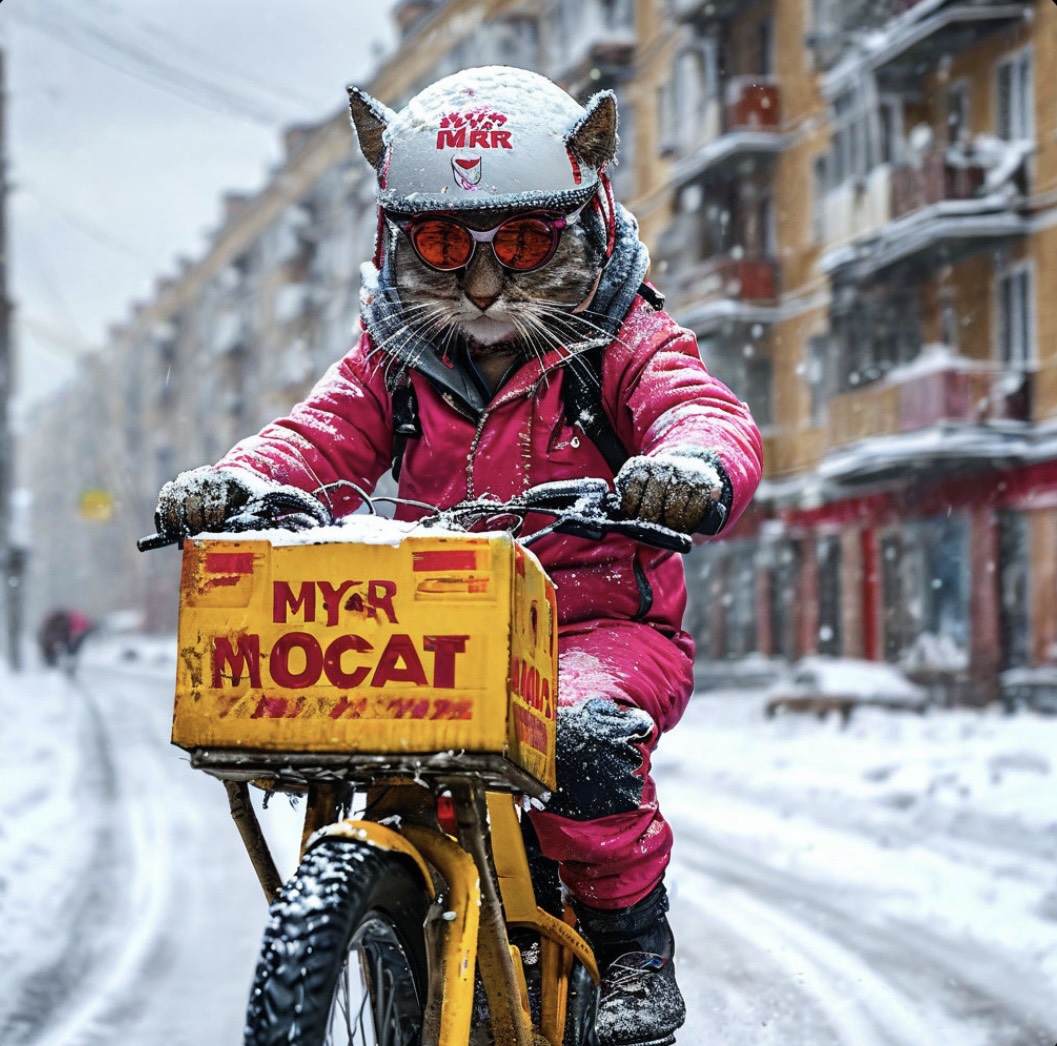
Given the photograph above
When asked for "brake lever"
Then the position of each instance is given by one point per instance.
(595, 528)
(562, 493)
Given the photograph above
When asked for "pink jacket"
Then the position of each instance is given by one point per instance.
(655, 389)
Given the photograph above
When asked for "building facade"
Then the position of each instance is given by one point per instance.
(852, 205)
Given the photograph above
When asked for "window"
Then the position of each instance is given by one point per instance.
(765, 47)
(515, 41)
(739, 600)
(925, 578)
(829, 560)
(958, 113)
(889, 129)
(851, 147)
(1014, 318)
(694, 84)
(1014, 609)
(1015, 120)
(783, 605)
(745, 367)
(820, 376)
(819, 185)
(875, 329)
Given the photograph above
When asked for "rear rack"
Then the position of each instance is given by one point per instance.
(299, 769)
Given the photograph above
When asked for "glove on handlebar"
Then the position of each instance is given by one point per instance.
(203, 499)
(688, 491)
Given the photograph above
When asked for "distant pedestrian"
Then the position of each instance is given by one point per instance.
(60, 637)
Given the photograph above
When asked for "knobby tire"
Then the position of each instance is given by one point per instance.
(349, 912)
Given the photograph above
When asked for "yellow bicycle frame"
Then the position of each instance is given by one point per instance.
(432, 658)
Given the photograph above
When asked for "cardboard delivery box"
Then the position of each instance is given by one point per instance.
(419, 644)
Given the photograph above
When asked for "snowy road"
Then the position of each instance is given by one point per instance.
(889, 884)
(157, 923)
(807, 913)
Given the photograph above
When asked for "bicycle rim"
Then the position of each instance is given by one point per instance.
(375, 1001)
(343, 958)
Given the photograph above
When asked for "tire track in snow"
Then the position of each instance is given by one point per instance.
(885, 984)
(859, 1006)
(92, 1019)
(45, 990)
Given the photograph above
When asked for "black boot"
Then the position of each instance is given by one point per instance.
(641, 1004)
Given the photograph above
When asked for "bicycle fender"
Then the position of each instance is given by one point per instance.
(380, 836)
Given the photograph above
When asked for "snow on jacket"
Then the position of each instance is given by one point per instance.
(655, 389)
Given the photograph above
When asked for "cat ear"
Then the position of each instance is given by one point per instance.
(370, 118)
(594, 138)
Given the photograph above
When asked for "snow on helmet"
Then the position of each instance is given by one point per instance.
(487, 138)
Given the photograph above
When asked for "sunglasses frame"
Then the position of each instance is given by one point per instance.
(557, 224)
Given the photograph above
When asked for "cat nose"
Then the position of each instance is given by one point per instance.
(482, 301)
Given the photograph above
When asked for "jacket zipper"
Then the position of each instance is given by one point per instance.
(470, 495)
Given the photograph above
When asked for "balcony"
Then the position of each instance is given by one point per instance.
(934, 413)
(936, 180)
(939, 211)
(727, 289)
(973, 397)
(748, 125)
(752, 103)
(919, 37)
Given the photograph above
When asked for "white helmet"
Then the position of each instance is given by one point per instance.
(488, 138)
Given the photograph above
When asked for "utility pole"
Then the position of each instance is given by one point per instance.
(12, 555)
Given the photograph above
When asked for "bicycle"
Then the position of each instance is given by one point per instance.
(432, 917)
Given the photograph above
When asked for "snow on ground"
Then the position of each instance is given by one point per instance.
(932, 834)
(887, 882)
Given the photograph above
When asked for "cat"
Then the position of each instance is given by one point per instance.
(498, 316)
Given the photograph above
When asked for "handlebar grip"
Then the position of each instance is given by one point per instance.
(153, 541)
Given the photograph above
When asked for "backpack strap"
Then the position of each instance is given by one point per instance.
(406, 422)
(582, 394)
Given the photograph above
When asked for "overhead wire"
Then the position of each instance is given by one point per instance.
(82, 224)
(284, 95)
(132, 60)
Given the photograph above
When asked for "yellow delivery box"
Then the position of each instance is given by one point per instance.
(424, 644)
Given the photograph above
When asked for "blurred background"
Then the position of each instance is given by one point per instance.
(852, 204)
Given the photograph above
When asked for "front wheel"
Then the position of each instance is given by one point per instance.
(343, 959)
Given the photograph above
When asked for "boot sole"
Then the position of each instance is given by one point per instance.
(668, 1040)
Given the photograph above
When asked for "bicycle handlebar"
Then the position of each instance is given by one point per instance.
(584, 508)
(282, 508)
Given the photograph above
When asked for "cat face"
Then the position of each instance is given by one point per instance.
(490, 305)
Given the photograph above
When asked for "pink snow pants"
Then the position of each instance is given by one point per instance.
(620, 685)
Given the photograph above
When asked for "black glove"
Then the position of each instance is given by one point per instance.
(203, 499)
(686, 491)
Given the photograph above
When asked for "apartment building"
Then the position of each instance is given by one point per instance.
(865, 243)
(853, 207)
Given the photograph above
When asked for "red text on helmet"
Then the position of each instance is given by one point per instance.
(476, 129)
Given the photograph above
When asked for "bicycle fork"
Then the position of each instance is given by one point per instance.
(488, 889)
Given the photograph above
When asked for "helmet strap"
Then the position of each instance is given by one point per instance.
(606, 206)
(379, 240)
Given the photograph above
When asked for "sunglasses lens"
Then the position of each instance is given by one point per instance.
(525, 243)
(442, 244)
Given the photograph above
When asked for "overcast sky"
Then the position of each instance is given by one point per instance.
(127, 120)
